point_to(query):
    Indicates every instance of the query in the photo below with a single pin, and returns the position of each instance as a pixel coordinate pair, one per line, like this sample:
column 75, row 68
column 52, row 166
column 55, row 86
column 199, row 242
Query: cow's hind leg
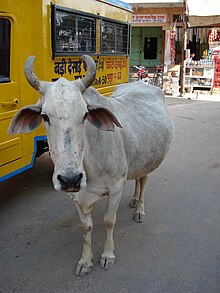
column 139, row 214
column 134, row 201
column 108, row 255
column 85, row 264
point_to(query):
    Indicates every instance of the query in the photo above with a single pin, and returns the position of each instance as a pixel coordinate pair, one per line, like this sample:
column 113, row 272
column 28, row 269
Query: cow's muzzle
column 70, row 183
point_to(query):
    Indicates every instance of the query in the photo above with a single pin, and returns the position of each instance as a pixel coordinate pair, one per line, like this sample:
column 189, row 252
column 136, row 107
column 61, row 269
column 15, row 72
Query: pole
column 184, row 44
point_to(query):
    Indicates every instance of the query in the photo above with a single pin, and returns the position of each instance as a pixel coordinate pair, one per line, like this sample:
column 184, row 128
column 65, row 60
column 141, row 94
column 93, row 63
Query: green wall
column 137, row 45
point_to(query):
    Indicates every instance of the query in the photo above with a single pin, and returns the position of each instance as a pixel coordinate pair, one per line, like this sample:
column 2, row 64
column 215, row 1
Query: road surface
column 176, row 249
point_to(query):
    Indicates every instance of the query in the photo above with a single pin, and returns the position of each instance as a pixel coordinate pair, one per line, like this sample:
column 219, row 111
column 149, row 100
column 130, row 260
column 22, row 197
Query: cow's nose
column 70, row 183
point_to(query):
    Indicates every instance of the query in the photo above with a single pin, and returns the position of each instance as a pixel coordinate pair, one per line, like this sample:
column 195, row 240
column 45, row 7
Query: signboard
column 149, row 18
column 110, row 70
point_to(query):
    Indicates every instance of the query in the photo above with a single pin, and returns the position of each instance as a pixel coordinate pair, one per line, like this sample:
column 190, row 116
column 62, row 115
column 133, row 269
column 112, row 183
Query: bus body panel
column 26, row 28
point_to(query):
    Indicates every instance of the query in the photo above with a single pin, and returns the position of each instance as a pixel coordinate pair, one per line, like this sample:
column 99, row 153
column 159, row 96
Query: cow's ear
column 26, row 120
column 102, row 118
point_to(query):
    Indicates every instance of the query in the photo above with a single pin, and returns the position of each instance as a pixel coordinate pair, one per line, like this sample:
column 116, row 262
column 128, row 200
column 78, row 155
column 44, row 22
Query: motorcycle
column 142, row 73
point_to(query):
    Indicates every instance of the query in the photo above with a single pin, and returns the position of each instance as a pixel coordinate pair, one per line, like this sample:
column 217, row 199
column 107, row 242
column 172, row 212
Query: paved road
column 177, row 249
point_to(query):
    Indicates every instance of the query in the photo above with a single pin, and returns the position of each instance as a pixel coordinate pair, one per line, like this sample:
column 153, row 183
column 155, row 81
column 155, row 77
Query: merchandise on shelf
column 216, row 58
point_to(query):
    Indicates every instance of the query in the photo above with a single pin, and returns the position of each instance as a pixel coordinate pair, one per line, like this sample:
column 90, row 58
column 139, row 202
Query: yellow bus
column 57, row 33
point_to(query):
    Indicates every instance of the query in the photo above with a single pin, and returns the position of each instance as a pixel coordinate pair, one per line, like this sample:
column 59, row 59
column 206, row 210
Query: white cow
column 91, row 156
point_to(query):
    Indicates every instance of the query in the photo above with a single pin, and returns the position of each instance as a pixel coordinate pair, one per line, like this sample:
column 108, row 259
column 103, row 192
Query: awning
column 204, row 13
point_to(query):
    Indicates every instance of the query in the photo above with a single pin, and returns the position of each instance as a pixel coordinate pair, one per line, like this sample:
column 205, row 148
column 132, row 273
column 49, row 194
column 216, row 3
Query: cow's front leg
column 108, row 255
column 85, row 264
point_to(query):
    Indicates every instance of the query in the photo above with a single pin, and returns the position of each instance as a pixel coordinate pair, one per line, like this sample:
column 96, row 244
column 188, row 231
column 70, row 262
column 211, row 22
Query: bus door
column 10, row 146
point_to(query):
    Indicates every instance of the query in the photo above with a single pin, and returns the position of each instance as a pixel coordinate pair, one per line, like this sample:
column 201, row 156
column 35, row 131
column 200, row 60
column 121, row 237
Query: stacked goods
column 216, row 56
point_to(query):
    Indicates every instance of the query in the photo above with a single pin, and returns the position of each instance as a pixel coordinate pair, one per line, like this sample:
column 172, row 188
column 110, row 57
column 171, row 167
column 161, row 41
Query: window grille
column 114, row 37
column 74, row 33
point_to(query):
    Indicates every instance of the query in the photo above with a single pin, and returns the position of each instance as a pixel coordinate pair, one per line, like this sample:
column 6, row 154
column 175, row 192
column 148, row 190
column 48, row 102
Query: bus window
column 5, row 28
column 114, row 37
column 72, row 33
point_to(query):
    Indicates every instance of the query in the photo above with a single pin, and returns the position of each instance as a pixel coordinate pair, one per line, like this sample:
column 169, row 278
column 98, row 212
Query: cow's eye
column 46, row 118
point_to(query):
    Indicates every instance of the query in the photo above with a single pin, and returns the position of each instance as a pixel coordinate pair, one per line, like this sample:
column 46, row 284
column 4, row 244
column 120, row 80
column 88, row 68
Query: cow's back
column 147, row 127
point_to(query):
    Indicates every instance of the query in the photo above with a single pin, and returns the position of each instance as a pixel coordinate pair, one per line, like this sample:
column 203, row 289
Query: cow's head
column 64, row 110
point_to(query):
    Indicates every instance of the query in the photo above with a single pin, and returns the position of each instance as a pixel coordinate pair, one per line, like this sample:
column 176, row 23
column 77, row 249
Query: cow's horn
column 91, row 70
column 33, row 80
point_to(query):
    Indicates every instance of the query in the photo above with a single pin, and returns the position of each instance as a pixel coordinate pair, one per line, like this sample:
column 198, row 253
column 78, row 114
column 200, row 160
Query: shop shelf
column 217, row 61
column 216, row 84
column 217, row 77
column 217, row 68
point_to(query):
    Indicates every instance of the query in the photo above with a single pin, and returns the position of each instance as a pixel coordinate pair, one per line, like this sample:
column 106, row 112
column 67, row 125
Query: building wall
column 138, row 45
column 160, row 30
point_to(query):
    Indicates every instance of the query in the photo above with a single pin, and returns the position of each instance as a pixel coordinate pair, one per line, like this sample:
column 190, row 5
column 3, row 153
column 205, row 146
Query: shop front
column 202, row 70
column 146, row 45
column 152, row 40
column 180, row 35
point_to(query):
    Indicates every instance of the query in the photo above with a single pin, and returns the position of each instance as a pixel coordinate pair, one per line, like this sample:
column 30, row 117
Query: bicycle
column 157, row 79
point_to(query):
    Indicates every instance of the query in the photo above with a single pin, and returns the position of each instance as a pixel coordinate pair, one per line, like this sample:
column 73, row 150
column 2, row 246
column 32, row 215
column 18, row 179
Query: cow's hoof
column 138, row 217
column 133, row 203
column 83, row 269
column 106, row 262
